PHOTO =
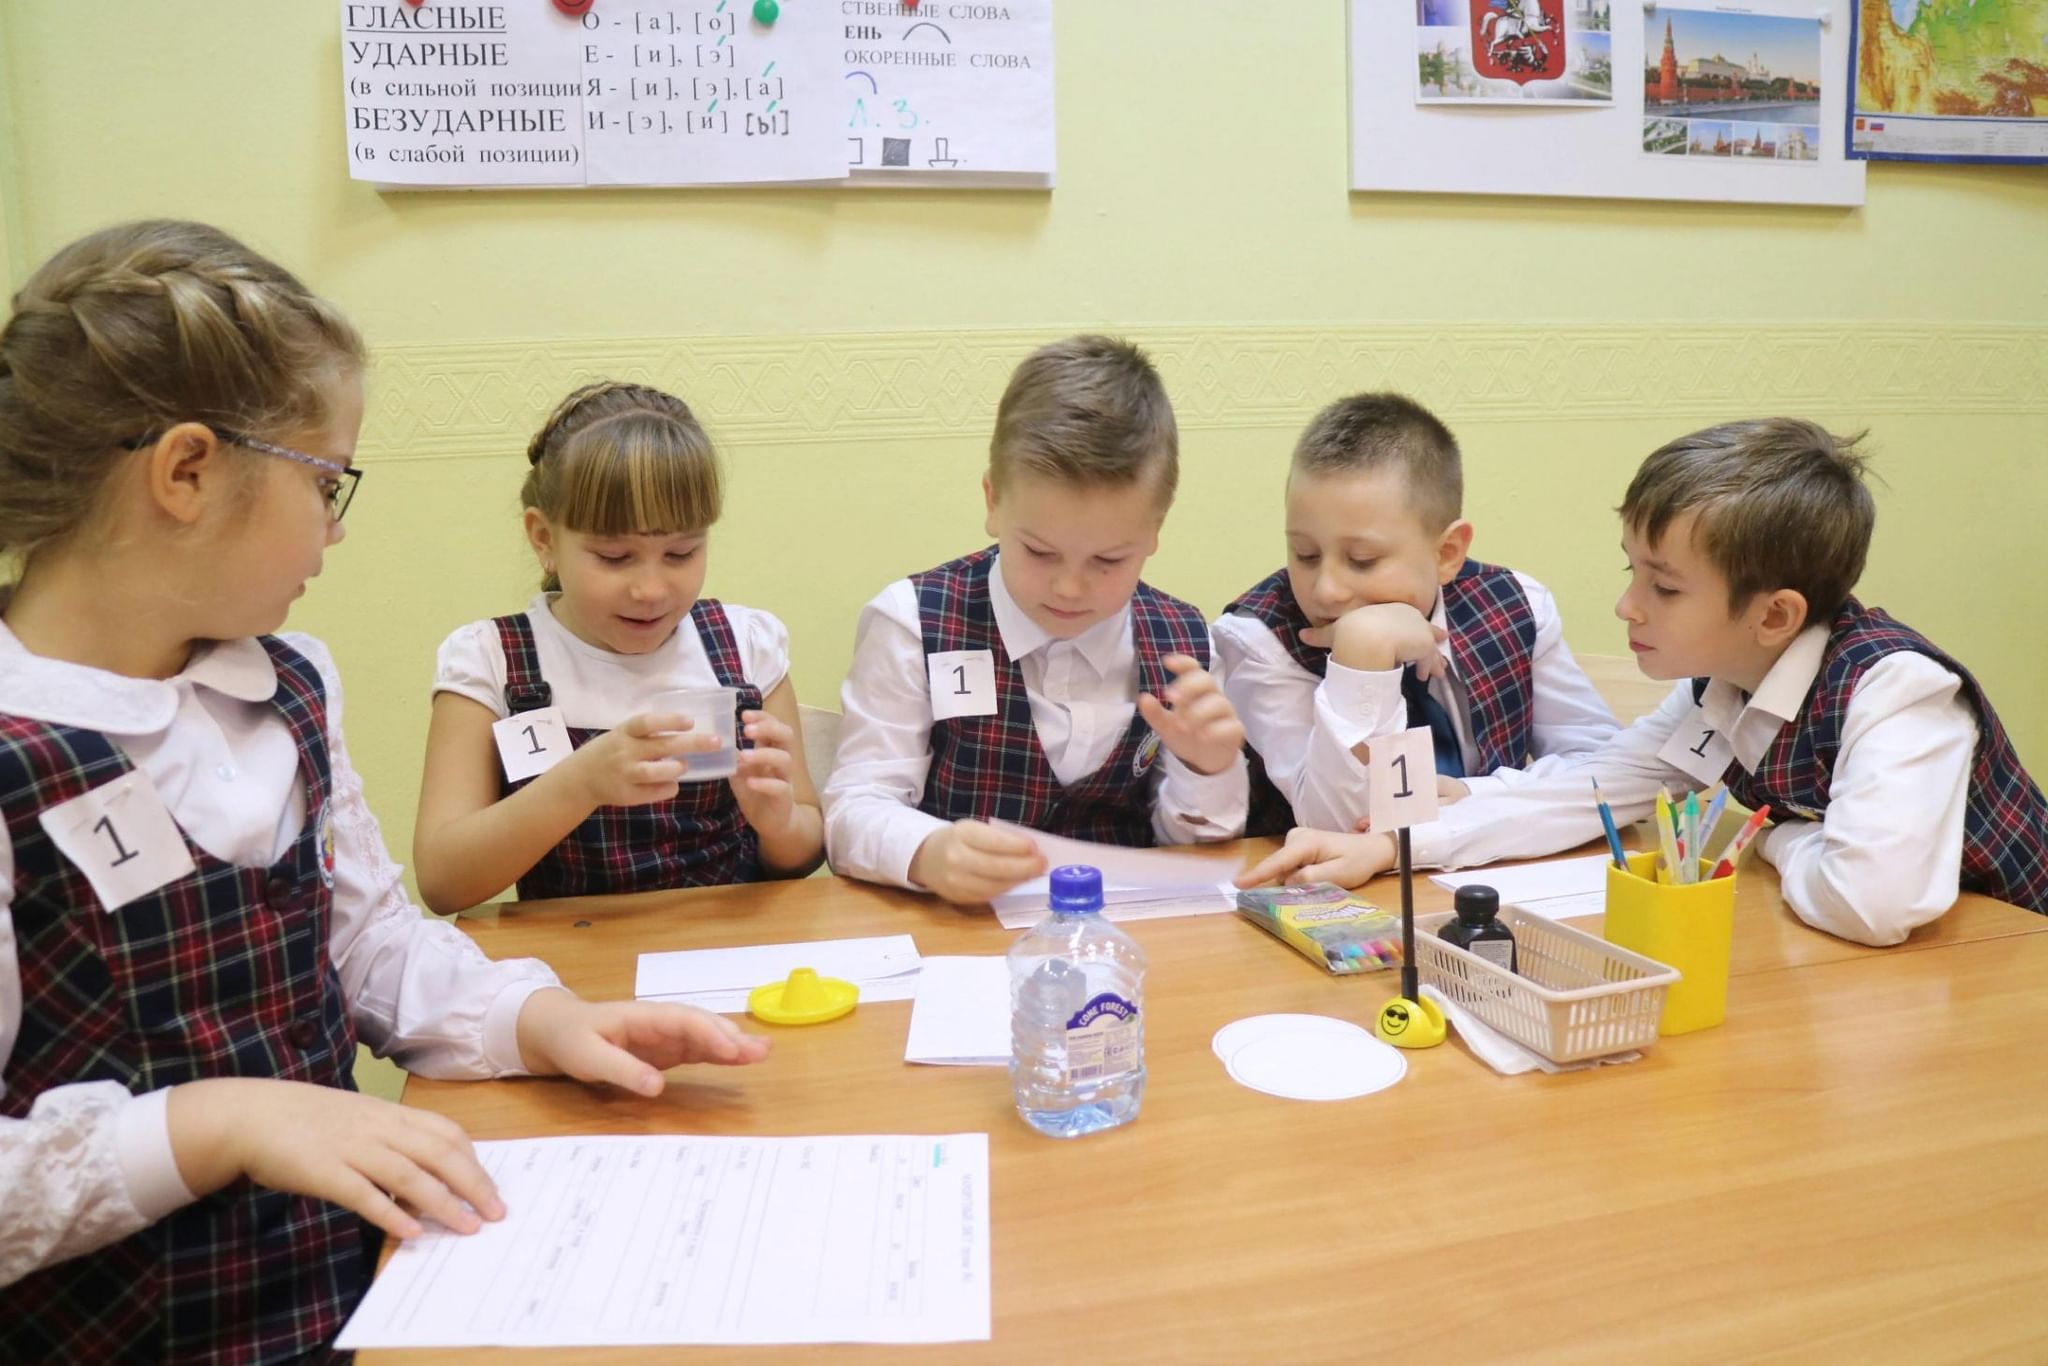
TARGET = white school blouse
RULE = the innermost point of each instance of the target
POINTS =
(598, 688)
(1305, 728)
(1083, 693)
(92, 1164)
(1885, 858)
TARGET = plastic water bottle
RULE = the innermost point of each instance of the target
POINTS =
(1077, 1028)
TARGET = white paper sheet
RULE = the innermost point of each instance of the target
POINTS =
(1554, 890)
(933, 96)
(1137, 884)
(674, 1239)
(962, 1013)
(883, 967)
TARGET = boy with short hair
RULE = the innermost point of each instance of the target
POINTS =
(1038, 681)
(1379, 621)
(1892, 784)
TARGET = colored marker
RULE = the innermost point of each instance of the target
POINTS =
(1692, 837)
(1667, 833)
(1607, 821)
(1726, 866)
(1713, 816)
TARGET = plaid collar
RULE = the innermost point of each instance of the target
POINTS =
(67, 694)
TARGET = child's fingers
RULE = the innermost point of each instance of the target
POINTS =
(655, 723)
(765, 729)
(984, 838)
(396, 1171)
(589, 1056)
(1317, 637)
(1273, 867)
(1156, 715)
(1204, 709)
(655, 772)
(765, 762)
(1000, 872)
(439, 1145)
(352, 1190)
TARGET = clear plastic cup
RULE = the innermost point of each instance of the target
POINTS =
(712, 711)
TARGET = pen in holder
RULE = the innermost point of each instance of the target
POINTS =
(1688, 926)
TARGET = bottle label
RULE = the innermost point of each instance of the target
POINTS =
(1102, 1039)
(1498, 952)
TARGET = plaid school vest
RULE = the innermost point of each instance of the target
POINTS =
(696, 839)
(2005, 820)
(993, 767)
(223, 973)
(1493, 646)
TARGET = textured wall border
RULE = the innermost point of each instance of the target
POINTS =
(475, 398)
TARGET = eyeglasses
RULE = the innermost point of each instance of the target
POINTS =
(339, 488)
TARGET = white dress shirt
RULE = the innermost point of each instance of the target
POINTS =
(1083, 693)
(597, 688)
(1305, 728)
(92, 1164)
(1886, 856)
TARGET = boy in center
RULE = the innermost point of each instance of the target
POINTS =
(1038, 681)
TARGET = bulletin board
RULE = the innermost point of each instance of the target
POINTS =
(1722, 135)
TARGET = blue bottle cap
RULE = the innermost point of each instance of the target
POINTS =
(1076, 887)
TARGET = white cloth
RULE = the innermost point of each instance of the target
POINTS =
(1083, 693)
(1885, 858)
(598, 688)
(1305, 728)
(92, 1164)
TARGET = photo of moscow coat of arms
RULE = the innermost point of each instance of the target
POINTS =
(1518, 40)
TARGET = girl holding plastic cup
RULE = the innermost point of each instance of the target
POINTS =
(622, 734)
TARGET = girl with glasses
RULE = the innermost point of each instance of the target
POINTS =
(198, 919)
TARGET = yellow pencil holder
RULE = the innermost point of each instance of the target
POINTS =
(1688, 926)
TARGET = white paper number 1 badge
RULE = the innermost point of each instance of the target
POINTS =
(1698, 749)
(531, 742)
(963, 683)
(1402, 770)
(122, 837)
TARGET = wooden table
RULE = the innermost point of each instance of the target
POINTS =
(1854, 1167)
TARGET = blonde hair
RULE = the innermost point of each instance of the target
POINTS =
(132, 330)
(1780, 503)
(1389, 431)
(1088, 410)
(614, 459)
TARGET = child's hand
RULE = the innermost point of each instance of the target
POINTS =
(334, 1145)
(971, 861)
(1202, 729)
(1448, 790)
(1382, 636)
(636, 762)
(627, 1043)
(1323, 856)
(761, 781)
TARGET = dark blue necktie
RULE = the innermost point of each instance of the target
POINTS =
(1424, 710)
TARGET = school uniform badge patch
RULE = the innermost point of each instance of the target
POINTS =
(1518, 40)
(1148, 750)
(327, 844)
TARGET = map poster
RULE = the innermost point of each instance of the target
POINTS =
(1950, 80)
(1513, 52)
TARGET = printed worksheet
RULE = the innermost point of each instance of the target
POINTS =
(638, 1240)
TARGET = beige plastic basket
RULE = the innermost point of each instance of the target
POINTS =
(1575, 996)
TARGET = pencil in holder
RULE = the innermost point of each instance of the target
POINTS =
(1688, 926)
